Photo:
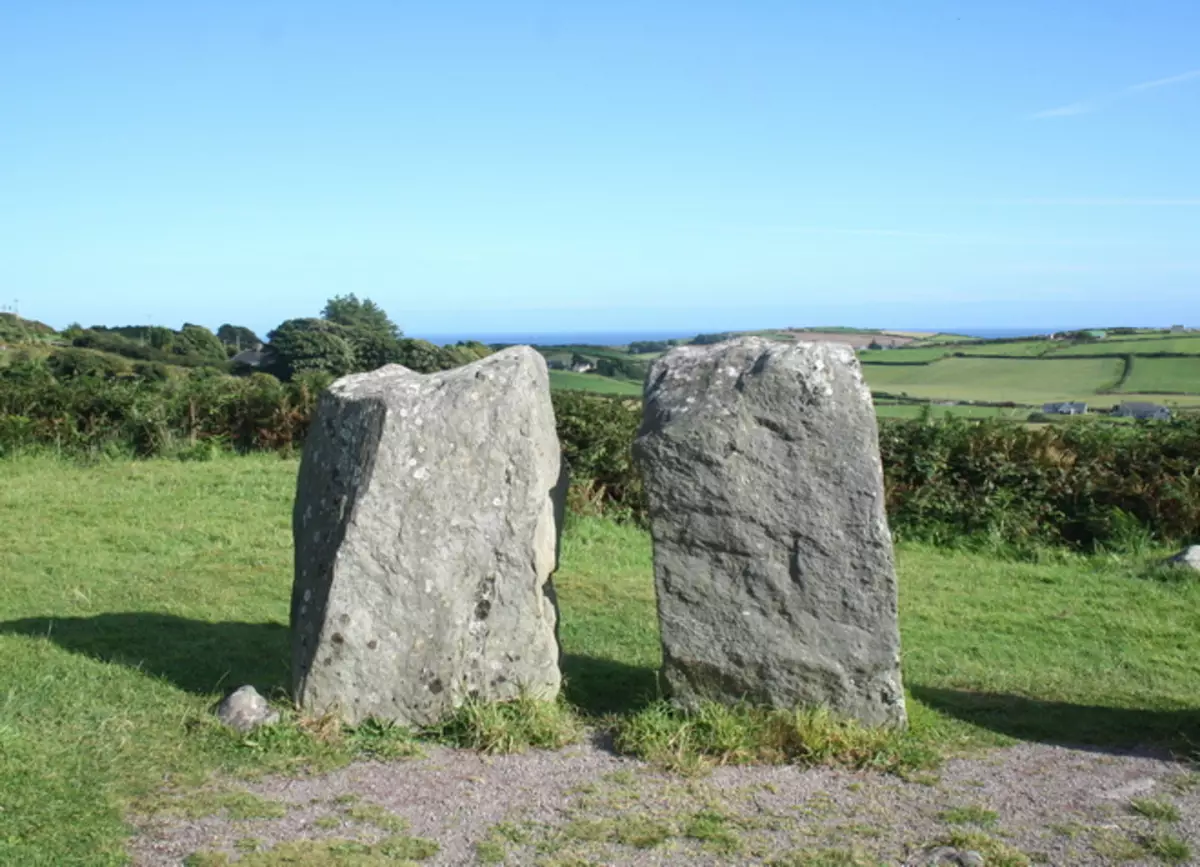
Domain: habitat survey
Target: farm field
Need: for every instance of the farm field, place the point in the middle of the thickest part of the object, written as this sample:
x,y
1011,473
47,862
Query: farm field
x,y
1124,345
1022,349
1028,381
905,355
135,593
1150,375
565,379
909,410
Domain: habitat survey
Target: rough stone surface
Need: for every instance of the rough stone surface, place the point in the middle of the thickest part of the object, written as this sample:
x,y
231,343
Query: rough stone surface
x,y
1189,557
426,530
245,709
772,556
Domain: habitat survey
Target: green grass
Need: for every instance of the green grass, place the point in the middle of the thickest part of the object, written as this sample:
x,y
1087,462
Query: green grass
x,y
134,593
904,355
1160,811
565,379
944,349
1168,848
1132,345
1151,375
914,410
1027,381
969,815
1018,349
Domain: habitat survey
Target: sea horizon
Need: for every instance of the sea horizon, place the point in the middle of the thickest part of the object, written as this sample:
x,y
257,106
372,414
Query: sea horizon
x,y
624,338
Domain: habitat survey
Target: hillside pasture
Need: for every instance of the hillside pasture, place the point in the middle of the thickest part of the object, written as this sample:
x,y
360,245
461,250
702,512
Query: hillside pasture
x,y
565,379
1029,381
906,355
1188,345
914,410
1019,349
1150,375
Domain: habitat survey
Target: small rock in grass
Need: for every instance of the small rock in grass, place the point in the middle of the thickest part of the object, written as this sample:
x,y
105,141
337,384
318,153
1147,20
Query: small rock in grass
x,y
1189,557
245,710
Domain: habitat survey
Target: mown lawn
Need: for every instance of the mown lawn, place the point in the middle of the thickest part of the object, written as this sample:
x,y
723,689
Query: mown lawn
x,y
135,593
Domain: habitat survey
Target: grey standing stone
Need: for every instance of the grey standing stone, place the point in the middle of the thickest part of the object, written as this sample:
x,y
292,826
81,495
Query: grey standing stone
x,y
426,530
245,709
772,557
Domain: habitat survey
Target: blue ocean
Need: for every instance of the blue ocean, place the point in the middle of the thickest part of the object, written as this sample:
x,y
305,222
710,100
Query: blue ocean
x,y
623,338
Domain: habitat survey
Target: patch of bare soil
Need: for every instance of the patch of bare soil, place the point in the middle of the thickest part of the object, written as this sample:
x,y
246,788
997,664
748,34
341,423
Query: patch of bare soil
x,y
1026,804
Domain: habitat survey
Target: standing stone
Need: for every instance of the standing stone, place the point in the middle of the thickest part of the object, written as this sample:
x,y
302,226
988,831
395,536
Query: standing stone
x,y
772,557
426,529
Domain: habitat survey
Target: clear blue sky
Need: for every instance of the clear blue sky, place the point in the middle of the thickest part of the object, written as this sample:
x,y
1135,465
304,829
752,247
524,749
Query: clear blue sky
x,y
537,166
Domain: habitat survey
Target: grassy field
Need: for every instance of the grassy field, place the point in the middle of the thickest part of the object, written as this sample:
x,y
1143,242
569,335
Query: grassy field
x,y
911,410
136,592
1151,375
1133,345
1023,349
563,379
1029,381
904,355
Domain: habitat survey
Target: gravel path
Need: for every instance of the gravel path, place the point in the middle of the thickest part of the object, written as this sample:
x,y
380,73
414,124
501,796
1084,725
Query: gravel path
x,y
1025,804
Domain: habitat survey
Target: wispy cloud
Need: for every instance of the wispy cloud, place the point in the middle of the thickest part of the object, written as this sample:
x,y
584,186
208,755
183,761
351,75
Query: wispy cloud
x,y
1088,106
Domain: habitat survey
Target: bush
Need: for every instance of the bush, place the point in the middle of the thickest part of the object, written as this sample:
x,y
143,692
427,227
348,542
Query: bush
x,y
1085,486
596,433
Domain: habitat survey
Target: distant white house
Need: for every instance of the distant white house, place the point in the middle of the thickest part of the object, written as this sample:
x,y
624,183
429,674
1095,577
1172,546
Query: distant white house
x,y
1065,408
1136,409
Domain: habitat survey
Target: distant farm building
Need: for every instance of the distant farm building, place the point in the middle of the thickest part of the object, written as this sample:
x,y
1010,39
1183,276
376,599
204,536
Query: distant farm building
x,y
1065,408
250,358
1152,411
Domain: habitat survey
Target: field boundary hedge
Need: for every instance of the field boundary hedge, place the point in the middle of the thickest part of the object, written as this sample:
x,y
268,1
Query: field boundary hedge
x,y
1076,485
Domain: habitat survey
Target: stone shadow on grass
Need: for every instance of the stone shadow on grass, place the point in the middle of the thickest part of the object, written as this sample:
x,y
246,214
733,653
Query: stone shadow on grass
x,y
195,655
599,686
1088,727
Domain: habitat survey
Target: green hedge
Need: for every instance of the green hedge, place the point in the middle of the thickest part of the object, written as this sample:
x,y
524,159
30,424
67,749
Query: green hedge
x,y
1079,485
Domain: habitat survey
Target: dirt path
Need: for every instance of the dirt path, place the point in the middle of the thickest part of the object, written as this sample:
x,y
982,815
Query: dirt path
x,y
1029,803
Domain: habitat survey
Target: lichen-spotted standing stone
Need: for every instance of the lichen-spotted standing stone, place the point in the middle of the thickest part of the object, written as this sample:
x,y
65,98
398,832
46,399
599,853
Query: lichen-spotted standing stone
x,y
772,557
426,529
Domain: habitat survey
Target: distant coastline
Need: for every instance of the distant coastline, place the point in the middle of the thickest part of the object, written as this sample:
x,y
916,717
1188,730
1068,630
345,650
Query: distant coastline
x,y
623,338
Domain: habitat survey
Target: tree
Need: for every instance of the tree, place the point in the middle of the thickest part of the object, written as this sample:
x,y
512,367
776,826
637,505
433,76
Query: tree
x,y
421,356
238,337
198,341
300,345
372,350
364,315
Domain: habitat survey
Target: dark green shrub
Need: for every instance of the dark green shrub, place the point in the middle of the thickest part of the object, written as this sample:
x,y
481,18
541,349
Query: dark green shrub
x,y
82,362
596,434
